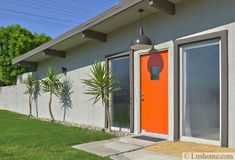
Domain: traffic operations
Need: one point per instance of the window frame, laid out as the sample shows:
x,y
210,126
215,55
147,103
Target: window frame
x,y
131,57
182,49
222,36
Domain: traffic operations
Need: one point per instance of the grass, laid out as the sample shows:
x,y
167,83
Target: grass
x,y
177,148
22,138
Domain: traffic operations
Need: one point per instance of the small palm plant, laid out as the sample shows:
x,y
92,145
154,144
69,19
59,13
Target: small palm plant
x,y
30,87
51,85
100,84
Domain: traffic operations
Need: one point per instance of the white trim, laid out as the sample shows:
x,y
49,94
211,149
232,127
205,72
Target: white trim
x,y
220,93
202,44
160,47
180,90
199,140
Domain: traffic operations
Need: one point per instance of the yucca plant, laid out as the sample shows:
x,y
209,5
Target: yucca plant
x,y
100,84
30,88
51,85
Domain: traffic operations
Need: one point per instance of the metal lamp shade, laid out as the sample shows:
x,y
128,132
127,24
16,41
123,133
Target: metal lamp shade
x,y
141,42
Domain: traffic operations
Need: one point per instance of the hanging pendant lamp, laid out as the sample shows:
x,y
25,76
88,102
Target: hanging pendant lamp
x,y
141,41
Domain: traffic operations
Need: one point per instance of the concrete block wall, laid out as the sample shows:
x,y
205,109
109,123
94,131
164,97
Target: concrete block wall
x,y
13,98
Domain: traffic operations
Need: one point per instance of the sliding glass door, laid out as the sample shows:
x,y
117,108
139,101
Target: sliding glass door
x,y
200,90
120,104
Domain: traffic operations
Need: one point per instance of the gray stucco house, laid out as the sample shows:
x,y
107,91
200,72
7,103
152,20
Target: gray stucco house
x,y
182,89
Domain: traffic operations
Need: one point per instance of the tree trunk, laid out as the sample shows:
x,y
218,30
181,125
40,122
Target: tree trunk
x,y
30,105
36,101
109,120
108,116
105,119
64,114
50,110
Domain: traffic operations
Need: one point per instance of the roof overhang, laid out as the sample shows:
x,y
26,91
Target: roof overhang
x,y
95,28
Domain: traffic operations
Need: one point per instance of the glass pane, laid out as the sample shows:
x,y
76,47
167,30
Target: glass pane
x,y
120,106
201,90
155,70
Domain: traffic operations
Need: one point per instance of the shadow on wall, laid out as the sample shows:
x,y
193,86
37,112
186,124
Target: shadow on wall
x,y
65,96
155,65
155,59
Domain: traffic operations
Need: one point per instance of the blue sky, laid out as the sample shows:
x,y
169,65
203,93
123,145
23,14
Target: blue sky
x,y
52,17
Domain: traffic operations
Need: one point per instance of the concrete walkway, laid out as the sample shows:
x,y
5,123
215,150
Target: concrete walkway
x,y
143,154
124,148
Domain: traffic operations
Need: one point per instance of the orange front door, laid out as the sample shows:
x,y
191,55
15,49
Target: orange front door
x,y
154,92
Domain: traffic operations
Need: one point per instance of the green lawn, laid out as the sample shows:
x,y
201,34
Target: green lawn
x,y
22,138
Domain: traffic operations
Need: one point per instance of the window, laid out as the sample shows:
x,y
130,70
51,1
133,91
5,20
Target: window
x,y
155,70
120,104
200,90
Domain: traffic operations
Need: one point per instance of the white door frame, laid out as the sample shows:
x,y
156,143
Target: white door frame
x,y
137,115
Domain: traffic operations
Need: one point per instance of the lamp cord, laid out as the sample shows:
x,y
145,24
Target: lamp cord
x,y
141,22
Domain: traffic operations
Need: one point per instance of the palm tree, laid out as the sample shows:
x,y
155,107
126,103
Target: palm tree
x,y
51,85
100,84
30,87
36,94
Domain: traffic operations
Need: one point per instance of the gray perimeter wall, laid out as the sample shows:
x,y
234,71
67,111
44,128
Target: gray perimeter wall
x,y
192,17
